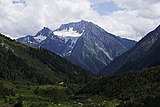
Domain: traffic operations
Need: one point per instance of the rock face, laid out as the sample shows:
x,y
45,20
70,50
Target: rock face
x,y
83,43
96,48
144,54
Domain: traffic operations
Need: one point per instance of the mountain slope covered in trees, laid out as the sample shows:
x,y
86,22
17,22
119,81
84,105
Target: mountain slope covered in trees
x,y
133,89
19,62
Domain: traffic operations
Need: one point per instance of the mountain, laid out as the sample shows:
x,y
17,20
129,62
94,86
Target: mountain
x,y
144,54
96,48
132,89
19,62
82,43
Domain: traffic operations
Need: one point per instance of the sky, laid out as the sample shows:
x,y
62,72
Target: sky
x,y
131,19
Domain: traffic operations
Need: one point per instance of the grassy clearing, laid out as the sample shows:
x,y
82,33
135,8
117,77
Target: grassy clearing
x,y
49,96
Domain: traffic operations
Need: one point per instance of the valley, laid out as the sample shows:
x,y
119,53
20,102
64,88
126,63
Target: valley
x,y
31,95
32,76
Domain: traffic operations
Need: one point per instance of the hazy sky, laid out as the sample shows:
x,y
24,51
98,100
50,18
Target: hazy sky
x,y
126,18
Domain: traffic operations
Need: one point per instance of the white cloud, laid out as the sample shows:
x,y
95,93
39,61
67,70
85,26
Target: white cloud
x,y
99,1
19,19
142,16
28,16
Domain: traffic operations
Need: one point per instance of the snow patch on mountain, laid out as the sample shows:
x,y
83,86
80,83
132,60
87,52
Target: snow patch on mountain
x,y
67,32
74,39
40,38
105,52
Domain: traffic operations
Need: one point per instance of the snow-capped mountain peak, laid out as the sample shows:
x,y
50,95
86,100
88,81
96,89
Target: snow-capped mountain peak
x,y
76,28
43,34
83,43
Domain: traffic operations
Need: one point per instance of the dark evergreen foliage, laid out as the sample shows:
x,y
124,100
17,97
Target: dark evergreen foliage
x,y
22,63
135,89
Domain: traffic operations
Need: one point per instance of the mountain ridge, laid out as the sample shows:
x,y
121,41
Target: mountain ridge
x,y
134,54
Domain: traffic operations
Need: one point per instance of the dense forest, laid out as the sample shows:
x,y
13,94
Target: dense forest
x,y
135,89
